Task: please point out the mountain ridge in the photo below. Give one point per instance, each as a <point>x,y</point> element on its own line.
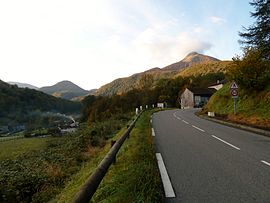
<point>122,85</point>
<point>23,85</point>
<point>65,89</point>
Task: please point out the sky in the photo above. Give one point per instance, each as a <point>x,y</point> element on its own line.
<point>92,42</point>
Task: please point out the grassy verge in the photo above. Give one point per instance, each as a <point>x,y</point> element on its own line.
<point>16,147</point>
<point>135,176</point>
<point>253,108</point>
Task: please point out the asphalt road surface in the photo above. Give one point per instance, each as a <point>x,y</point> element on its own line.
<point>210,162</point>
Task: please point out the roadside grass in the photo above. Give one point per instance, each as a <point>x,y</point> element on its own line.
<point>135,176</point>
<point>253,108</point>
<point>78,179</point>
<point>11,149</point>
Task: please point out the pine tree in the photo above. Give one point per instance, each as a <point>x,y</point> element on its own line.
<point>258,34</point>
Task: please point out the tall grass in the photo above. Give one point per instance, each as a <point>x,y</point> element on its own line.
<point>135,176</point>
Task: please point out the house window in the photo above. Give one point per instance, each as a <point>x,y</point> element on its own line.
<point>197,100</point>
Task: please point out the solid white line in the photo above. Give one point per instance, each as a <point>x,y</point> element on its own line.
<point>153,132</point>
<point>265,162</point>
<point>185,122</point>
<point>165,177</point>
<point>198,128</point>
<point>226,142</point>
<point>176,116</point>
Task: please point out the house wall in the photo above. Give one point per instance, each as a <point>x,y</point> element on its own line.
<point>187,99</point>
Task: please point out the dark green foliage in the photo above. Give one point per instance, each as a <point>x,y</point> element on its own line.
<point>39,175</point>
<point>204,81</point>
<point>258,34</point>
<point>165,90</point>
<point>251,72</point>
<point>18,105</point>
<point>168,90</point>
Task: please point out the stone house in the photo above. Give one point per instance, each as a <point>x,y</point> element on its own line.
<point>195,97</point>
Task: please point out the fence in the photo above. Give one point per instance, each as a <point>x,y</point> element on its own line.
<point>89,188</point>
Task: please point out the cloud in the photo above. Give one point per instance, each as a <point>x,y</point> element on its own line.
<point>217,20</point>
<point>162,48</point>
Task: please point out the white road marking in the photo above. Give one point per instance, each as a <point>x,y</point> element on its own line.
<point>153,132</point>
<point>185,122</point>
<point>151,121</point>
<point>176,116</point>
<point>226,142</point>
<point>198,128</point>
<point>165,177</point>
<point>265,162</point>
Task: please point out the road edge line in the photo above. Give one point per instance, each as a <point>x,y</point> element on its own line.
<point>169,192</point>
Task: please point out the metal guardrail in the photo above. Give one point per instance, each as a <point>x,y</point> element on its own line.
<point>89,188</point>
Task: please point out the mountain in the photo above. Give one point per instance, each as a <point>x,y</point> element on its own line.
<point>189,60</point>
<point>24,85</point>
<point>122,85</point>
<point>19,105</point>
<point>193,59</point>
<point>65,89</point>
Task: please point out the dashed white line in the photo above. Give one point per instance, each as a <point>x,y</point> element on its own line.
<point>226,142</point>
<point>265,162</point>
<point>169,192</point>
<point>185,122</point>
<point>151,121</point>
<point>153,132</point>
<point>198,128</point>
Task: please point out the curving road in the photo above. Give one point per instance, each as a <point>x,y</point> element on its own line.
<point>209,162</point>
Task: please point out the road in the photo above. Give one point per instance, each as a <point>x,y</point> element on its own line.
<point>210,162</point>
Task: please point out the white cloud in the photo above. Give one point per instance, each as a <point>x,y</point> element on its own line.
<point>162,48</point>
<point>217,20</point>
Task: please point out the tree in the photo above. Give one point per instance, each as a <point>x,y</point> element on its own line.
<point>258,34</point>
<point>251,72</point>
<point>146,81</point>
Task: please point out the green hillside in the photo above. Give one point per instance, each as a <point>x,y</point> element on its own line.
<point>253,107</point>
<point>205,68</point>
<point>19,104</point>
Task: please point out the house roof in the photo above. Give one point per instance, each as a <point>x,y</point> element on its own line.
<point>218,82</point>
<point>202,91</point>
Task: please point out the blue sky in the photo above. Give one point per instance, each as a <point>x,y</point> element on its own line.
<point>94,42</point>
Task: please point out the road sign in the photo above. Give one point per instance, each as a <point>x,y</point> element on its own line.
<point>234,92</point>
<point>234,85</point>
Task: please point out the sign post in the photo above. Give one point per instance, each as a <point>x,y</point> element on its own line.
<point>234,93</point>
